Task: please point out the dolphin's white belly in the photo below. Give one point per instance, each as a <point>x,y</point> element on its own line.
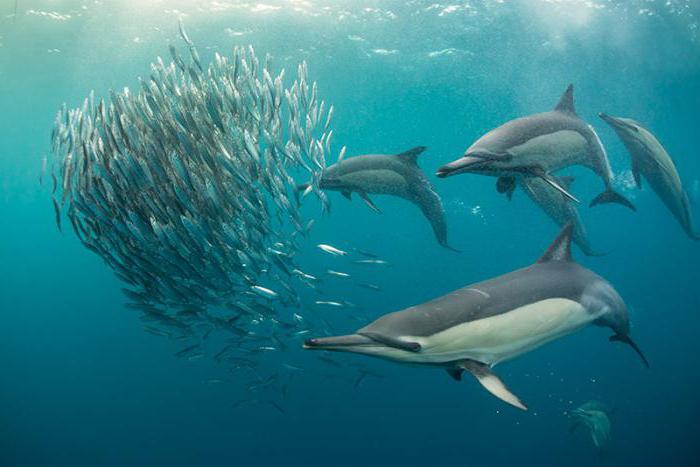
<point>553,151</point>
<point>497,338</point>
<point>380,181</point>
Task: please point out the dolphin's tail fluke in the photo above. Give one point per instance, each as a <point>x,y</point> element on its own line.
<point>594,254</point>
<point>611,196</point>
<point>445,245</point>
<point>588,251</point>
<point>625,339</point>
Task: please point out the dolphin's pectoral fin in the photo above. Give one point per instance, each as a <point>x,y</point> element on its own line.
<point>635,173</point>
<point>566,181</point>
<point>455,373</point>
<point>611,196</point>
<point>347,194</point>
<point>506,185</point>
<point>492,383</point>
<point>551,181</point>
<point>625,339</point>
<point>369,202</point>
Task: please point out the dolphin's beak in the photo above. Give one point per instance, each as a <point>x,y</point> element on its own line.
<point>340,343</point>
<point>461,165</point>
<point>608,119</point>
<point>616,122</point>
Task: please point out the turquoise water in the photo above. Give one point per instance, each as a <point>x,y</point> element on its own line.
<point>83,384</point>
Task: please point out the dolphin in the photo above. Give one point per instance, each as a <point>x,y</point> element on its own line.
<point>594,416</point>
<point>481,325</point>
<point>650,159</point>
<point>388,174</point>
<point>560,209</point>
<point>538,145</point>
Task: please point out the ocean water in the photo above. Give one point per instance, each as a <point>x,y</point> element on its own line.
<point>82,384</point>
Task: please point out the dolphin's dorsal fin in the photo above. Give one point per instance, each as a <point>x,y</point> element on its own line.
<point>560,249</point>
<point>412,154</point>
<point>566,102</point>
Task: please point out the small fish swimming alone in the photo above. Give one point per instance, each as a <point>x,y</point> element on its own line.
<point>380,262</point>
<point>331,250</point>
<point>388,174</point>
<point>650,159</point>
<point>344,275</point>
<point>329,303</point>
<point>57,213</point>
<point>366,254</point>
<point>538,145</point>
<point>476,327</point>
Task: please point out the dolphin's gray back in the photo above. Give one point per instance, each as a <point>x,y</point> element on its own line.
<point>495,296</point>
<point>373,162</point>
<point>521,130</point>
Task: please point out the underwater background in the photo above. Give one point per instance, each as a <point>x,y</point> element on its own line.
<point>81,383</point>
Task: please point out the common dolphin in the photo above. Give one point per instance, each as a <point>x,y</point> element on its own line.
<point>650,159</point>
<point>594,416</point>
<point>559,208</point>
<point>389,174</point>
<point>538,145</point>
<point>478,326</point>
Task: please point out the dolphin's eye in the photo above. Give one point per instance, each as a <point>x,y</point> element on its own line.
<point>414,347</point>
